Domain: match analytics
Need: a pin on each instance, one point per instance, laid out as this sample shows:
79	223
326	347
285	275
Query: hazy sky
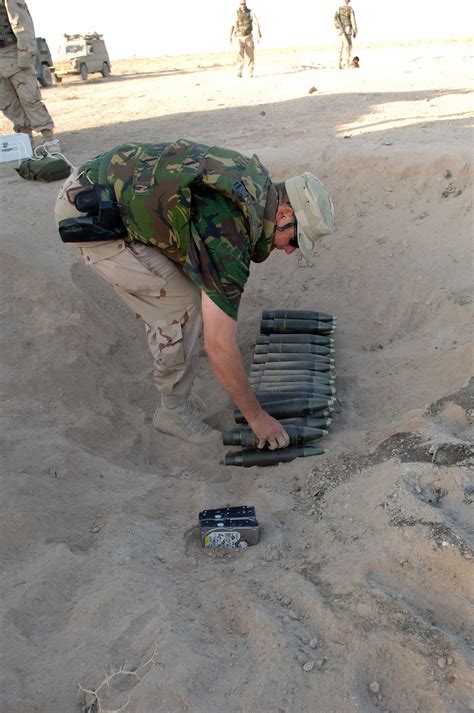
149	28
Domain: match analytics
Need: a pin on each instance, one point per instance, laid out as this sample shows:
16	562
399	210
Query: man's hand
270	431
220	342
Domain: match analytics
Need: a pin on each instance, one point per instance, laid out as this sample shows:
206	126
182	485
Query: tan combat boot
47	137
179	416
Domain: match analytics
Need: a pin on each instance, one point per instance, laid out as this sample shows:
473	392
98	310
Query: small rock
311	90
448	174
293	615
308	666
449	660
96	528
374	687
263	113
314	643
320	663
418	489
387	142
380	697
442	662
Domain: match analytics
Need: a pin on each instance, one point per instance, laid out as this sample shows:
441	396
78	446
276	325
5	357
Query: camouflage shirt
208	209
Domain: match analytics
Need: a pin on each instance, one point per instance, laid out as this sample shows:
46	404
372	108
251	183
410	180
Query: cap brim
305	244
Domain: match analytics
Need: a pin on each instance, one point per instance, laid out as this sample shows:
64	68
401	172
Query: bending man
173	229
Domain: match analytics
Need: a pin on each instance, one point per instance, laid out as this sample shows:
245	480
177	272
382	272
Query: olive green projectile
288	379
291	356
265	458
296	314
287	408
307	421
294	339
247	438
292	388
294	364
322	378
295	326
265	396
281	347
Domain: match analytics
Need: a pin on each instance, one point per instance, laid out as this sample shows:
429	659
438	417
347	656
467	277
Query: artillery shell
322	378
265	457
283	365
296	314
263	386
247	438
282	347
278	378
295	326
291	356
290	407
294	339
266	396
308	421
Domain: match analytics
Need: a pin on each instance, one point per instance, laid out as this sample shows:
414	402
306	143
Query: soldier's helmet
314	211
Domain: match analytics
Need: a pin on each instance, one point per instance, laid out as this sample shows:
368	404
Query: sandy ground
359	595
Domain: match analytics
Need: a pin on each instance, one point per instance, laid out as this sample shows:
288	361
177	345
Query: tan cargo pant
344	50
20	101
246	47
156	291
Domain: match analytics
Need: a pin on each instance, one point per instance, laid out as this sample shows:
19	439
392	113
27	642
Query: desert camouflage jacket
17	37
208	209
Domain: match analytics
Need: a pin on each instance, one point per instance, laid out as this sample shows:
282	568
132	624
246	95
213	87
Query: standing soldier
345	23
242	29
20	98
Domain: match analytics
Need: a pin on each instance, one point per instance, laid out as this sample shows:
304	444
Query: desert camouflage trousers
246	47
344	50
157	292
20	101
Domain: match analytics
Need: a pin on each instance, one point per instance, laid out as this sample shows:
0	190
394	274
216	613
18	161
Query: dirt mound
358	595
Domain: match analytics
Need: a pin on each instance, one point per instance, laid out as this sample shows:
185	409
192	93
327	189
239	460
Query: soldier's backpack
46	168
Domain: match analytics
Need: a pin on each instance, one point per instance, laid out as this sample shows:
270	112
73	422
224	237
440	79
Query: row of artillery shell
293	378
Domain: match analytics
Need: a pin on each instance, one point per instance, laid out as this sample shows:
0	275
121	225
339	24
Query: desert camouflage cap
314	211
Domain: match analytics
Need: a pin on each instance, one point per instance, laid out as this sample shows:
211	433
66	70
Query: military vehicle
44	63
82	54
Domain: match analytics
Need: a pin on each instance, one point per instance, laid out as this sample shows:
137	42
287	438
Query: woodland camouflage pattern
209	209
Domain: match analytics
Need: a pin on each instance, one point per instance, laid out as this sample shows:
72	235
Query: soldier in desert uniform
346	26
242	29
194	218
20	98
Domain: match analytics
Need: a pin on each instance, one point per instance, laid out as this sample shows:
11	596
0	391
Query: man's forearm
227	364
